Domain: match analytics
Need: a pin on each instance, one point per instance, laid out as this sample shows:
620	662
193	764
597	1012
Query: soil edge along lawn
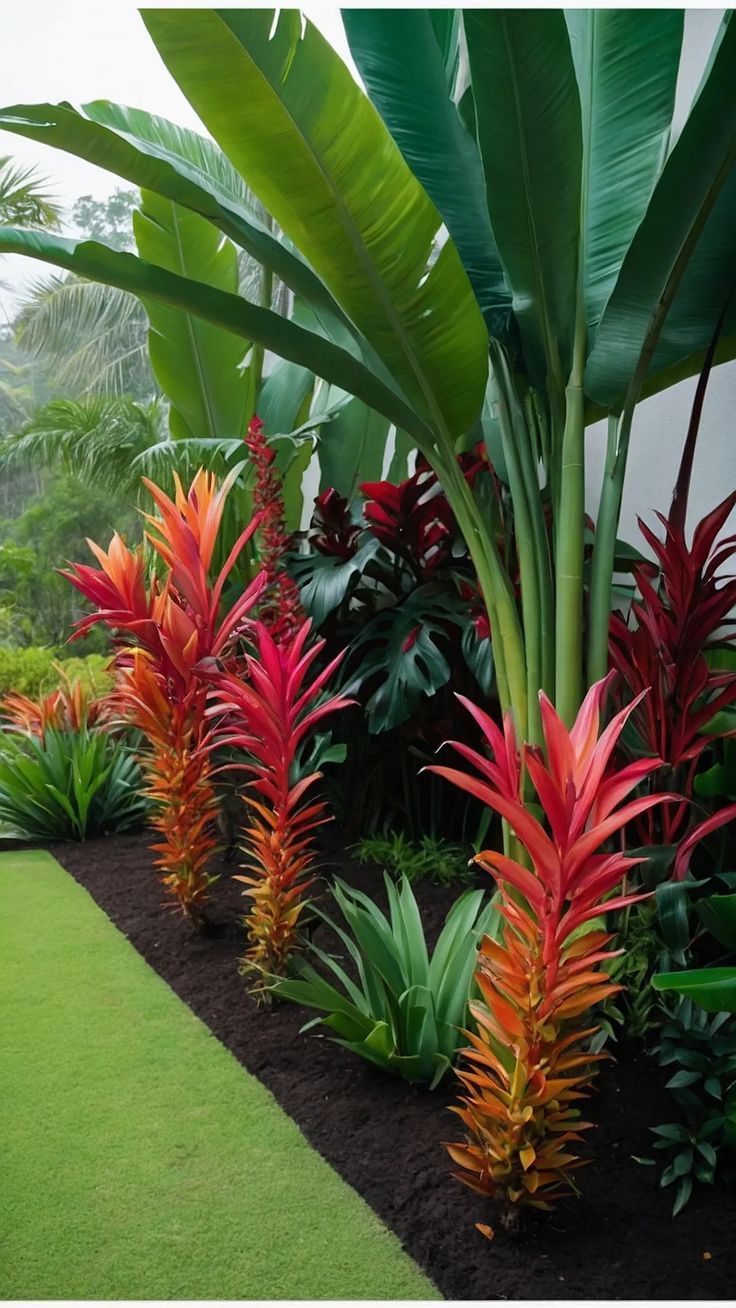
139	1160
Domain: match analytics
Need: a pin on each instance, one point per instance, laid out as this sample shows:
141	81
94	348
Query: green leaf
718	914
237	315
197	365
529	131
324	580
351	448
685	196
714	988
404	649
292	120
626	62
673	911
179	165
684	1190
283	393
682	1079
402	66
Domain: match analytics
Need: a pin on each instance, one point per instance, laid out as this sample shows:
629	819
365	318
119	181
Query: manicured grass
137	1158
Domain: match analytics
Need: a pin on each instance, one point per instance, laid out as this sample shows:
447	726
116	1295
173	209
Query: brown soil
617	1242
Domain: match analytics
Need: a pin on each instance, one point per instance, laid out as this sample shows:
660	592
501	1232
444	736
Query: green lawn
137	1158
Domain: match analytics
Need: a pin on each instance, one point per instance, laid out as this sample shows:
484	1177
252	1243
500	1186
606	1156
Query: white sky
80	50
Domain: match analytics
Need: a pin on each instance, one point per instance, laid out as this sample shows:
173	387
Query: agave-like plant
530	1064
268	713
167	629
406	1011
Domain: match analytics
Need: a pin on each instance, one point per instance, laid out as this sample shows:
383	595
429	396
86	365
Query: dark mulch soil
617	1242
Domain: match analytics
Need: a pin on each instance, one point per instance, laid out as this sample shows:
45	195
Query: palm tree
105	441
94	337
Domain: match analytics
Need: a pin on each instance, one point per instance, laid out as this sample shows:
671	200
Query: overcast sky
81	50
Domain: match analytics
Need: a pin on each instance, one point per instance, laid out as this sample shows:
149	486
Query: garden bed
618	1242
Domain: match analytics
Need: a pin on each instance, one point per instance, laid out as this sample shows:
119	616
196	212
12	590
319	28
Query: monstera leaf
405	650
324	580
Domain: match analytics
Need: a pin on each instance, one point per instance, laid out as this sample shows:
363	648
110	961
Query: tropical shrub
69	785
404	1011
34	670
166	629
530	1062
437	860
396	582
268	714
698	1049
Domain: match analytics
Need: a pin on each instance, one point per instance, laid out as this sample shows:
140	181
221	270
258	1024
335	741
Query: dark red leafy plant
684	602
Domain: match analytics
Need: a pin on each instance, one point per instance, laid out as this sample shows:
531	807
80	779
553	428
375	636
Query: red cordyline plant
165	629
529	1064
280	607
413	519
676	622
332	529
269	713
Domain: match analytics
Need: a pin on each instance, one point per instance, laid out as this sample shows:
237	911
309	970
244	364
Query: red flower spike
164	632
528	1066
268	716
280	607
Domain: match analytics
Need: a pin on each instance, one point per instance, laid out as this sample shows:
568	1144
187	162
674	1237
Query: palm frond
95	336
97	439
24	197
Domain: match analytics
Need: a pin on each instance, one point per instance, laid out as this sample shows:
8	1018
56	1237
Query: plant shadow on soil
618	1241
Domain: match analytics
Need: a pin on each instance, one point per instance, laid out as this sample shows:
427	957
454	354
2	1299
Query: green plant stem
516	438
604	548
570	538
508	642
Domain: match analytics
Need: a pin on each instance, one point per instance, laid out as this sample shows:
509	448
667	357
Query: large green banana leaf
281	336
403	66
626	62
675	228
529	131
351	448
197	365
290	117
179	165
708	281
283	401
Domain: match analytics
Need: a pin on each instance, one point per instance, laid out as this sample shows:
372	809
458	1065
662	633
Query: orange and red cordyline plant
268	713
69	707
528	1064
172	626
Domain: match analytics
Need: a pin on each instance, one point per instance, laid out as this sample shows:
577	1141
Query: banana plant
500	237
